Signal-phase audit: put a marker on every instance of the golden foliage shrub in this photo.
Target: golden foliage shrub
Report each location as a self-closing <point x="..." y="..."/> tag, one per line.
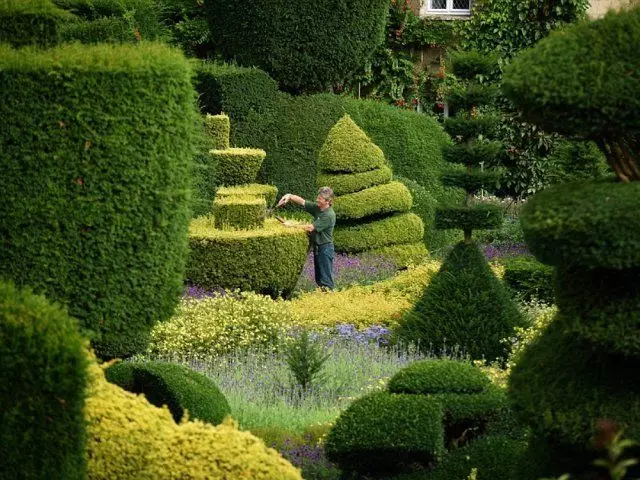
<point x="128" y="438"/>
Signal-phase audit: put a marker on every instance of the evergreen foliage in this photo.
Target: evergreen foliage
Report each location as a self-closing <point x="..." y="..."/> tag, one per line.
<point x="370" y="211"/>
<point x="464" y="305"/>
<point x="32" y="22"/>
<point x="580" y="82"/>
<point x="305" y="46"/>
<point x="412" y="432"/>
<point x="238" y="212"/>
<point x="94" y="188"/>
<point x="438" y="376"/>
<point x="237" y="166"/>
<point x="529" y="278"/>
<point x="42" y="383"/>
<point x="178" y="387"/>
<point x="268" y="192"/>
<point x="218" y="127"/>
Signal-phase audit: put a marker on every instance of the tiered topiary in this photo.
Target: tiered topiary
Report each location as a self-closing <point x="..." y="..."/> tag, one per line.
<point x="465" y="304"/>
<point x="214" y="135"/>
<point x="32" y="22"/>
<point x="584" y="366"/>
<point x="94" y="188"/>
<point x="180" y="388"/>
<point x="372" y="211"/>
<point x="429" y="406"/>
<point x="237" y="246"/>
<point x="42" y="389"/>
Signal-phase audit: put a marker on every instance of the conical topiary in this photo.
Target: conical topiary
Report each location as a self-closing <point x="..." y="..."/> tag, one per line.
<point x="372" y="211"/>
<point x="465" y="305"/>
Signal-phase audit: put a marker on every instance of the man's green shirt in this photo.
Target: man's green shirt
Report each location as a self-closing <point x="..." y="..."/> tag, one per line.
<point x="323" y="223"/>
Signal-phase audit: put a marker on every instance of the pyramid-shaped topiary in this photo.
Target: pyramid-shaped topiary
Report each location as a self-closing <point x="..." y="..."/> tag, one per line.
<point x="465" y="304"/>
<point x="372" y="211"/>
<point x="584" y="367"/>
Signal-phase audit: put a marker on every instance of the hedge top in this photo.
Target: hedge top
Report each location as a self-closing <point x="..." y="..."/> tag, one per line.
<point x="145" y="58"/>
<point x="439" y="376"/>
<point x="582" y="80"/>
<point x="201" y="228"/>
<point x="32" y="7"/>
<point x="348" y="149"/>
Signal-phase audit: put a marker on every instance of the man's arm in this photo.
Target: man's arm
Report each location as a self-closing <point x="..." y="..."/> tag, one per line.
<point x="289" y="197"/>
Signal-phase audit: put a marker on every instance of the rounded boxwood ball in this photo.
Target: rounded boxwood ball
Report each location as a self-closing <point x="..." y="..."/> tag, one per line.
<point x="439" y="376"/>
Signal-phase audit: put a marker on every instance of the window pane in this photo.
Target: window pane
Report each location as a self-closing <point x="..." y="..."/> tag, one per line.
<point x="461" y="4"/>
<point x="438" y="4"/>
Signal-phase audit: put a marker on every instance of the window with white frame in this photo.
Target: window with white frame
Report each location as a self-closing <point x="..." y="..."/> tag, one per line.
<point x="448" y="7"/>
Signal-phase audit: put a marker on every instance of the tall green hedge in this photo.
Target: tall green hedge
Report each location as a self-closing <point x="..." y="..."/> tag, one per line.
<point x="42" y="382"/>
<point x="94" y="182"/>
<point x="307" y="46"/>
<point x="32" y="22"/>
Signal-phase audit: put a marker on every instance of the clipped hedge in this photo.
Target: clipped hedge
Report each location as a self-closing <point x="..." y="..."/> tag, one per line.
<point x="238" y="166"/>
<point x="557" y="386"/>
<point x="473" y="154"/>
<point x="494" y="458"/>
<point x="239" y="212"/>
<point x="591" y="225"/>
<point x="481" y="216"/>
<point x="348" y="149"/>
<point x="32" y="22"/>
<point x="464" y="305"/>
<point x="103" y="231"/>
<point x="218" y="128"/>
<point x="397" y="229"/>
<point x="344" y="184"/>
<point x="235" y="91"/>
<point x="203" y="172"/>
<point x="179" y="388"/>
<point x="268" y="192"/>
<point x="268" y="260"/>
<point x="529" y="278"/>
<point x="42" y="383"/>
<point x="392" y="197"/>
<point x="307" y="46"/>
<point x="150" y="445"/>
<point x="473" y="180"/>
<point x="379" y="431"/>
<point x="438" y="376"/>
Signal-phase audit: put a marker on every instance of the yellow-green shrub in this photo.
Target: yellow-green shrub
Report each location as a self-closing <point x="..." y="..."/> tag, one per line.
<point x="379" y="304"/>
<point x="213" y="326"/>
<point x="343" y="184"/>
<point x="382" y="199"/>
<point x="266" y="260"/>
<point x="237" y="166"/>
<point x="404" y="254"/>
<point x="129" y="439"/>
<point x="269" y="192"/>
<point x="218" y="128"/>
<point x="239" y="212"/>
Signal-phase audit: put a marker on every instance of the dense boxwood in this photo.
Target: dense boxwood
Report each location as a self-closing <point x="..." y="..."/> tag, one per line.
<point x="590" y="225"/>
<point x="176" y="386"/>
<point x="103" y="231"/>
<point x="307" y="46"/>
<point x="344" y="184"/>
<point x="397" y="229"/>
<point x="467" y="64"/>
<point x="42" y="383"/>
<point x="557" y="386"/>
<point x="381" y="431"/>
<point x="235" y="91"/>
<point x="464" y="305"/>
<point x="494" y="458"/>
<point x="268" y="192"/>
<point x="203" y="169"/>
<point x="471" y="154"/>
<point x="114" y="21"/>
<point x="438" y="376"/>
<point x="388" y="198"/>
<point x="266" y="260"/>
<point x="481" y="216"/>
<point x="458" y="126"/>
<point x="347" y="149"/>
<point x="218" y="128"/>
<point x="32" y="22"/>
<point x="472" y="180"/>
<point x="402" y="255"/>
<point x="239" y="212"/>
<point x="237" y="166"/>
<point x="529" y="278"/>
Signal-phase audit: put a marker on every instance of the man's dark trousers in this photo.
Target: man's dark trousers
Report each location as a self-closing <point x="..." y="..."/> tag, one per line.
<point x="323" y="265"/>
